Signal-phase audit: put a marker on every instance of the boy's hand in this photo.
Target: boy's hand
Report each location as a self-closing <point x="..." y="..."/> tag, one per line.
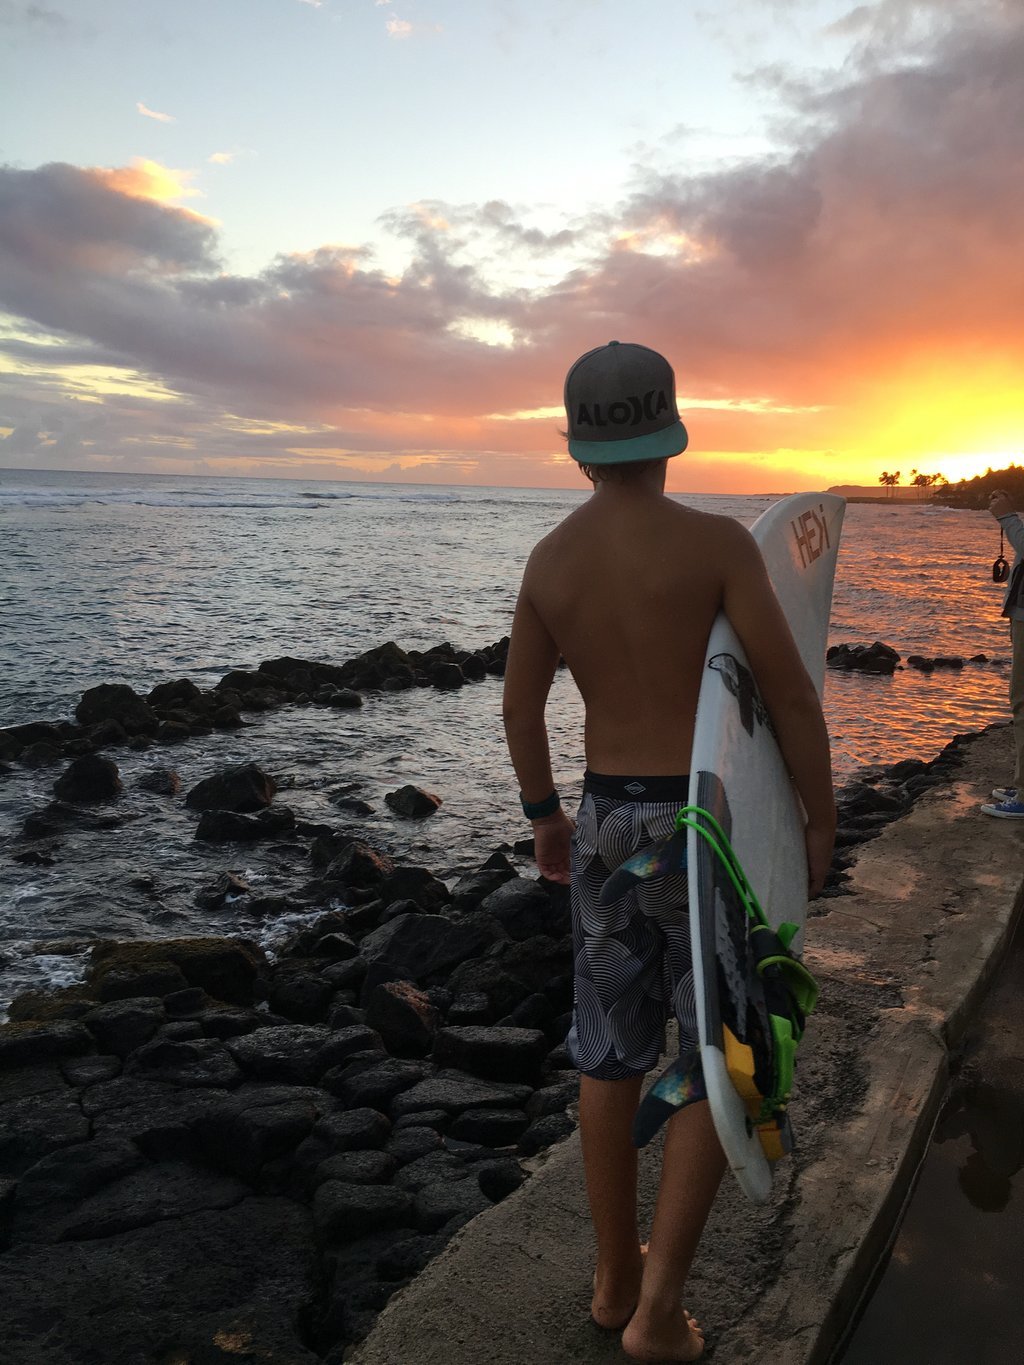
<point x="820" y="840"/>
<point x="999" y="503"/>
<point x="551" y="846"/>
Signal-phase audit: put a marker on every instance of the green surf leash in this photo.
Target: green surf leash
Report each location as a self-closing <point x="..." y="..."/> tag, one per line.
<point x="791" y="992"/>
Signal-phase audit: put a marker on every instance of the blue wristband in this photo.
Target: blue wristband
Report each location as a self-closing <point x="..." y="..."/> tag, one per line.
<point x="537" y="810"/>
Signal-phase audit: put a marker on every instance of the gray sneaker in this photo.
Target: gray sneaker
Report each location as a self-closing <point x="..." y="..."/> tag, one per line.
<point x="1004" y="793"/>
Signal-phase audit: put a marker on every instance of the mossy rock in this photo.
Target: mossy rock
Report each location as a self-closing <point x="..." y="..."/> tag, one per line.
<point x="226" y="968"/>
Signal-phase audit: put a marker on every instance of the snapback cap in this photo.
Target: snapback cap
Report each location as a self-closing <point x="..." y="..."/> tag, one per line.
<point x="620" y="401"/>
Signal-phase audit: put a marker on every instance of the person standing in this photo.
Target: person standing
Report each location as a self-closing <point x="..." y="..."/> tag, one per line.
<point x="625" y="590"/>
<point x="1008" y="802"/>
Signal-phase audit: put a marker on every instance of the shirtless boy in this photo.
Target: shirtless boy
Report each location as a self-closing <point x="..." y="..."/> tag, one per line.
<point x="625" y="589"/>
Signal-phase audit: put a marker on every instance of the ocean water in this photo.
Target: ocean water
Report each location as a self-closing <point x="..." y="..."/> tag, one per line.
<point x="143" y="579"/>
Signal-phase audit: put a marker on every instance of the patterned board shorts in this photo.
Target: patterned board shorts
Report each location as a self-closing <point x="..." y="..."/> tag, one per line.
<point x="632" y="963"/>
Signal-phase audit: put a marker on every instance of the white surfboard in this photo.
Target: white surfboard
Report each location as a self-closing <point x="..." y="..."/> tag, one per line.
<point x="738" y="775"/>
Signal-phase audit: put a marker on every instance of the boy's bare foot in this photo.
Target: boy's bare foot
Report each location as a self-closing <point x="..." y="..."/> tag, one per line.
<point x="614" y="1303"/>
<point x="672" y="1339"/>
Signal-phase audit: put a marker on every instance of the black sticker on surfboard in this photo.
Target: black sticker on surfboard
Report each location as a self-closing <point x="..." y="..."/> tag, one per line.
<point x="740" y="682"/>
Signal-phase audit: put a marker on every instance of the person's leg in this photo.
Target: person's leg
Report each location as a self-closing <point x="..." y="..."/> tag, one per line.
<point x="607" y="1109"/>
<point x="692" y="1169"/>
<point x="1017" y="701"/>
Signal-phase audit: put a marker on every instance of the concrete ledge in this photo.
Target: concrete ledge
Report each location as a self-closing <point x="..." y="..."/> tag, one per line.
<point x="902" y="961"/>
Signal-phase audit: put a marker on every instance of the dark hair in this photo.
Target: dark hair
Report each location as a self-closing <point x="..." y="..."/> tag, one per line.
<point x="618" y="473"/>
<point x="615" y="473"/>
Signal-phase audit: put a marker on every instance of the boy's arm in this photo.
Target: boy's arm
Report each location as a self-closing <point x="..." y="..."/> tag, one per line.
<point x="750" y="603"/>
<point x="532" y="660"/>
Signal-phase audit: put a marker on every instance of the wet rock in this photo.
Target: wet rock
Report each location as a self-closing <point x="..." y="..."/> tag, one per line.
<point x="61" y="1179"/>
<point x="16" y="738"/>
<point x="524" y="909"/>
<point x="375" y="1086"/>
<point x="25" y="1044"/>
<point x="342" y="698"/>
<point x="89" y="779"/>
<point x="921" y="663"/>
<point x="40" y="755"/>
<point x="63" y="1002"/>
<point x="124" y="1025"/>
<point x="357" y="1168"/>
<point x="470" y="1008"/>
<point x="417" y="884"/>
<point x="437" y="1119"/>
<point x="223" y="826"/>
<point x="116" y="701"/>
<point x="875" y="658"/>
<point x="228" y="1023"/>
<point x="404" y="1018"/>
<point x="174" y="732"/>
<point x="195" y="1063"/>
<point x="425" y="946"/>
<point x="36" y="1124"/>
<point x="533" y="1012"/>
<point x="226" y="718"/>
<point x="226" y="887"/>
<point x="498" y="1054"/>
<point x="355" y="1130"/>
<point x="161" y="781"/>
<point x="490" y="1127"/>
<point x="442" y="1203"/>
<point x="407" y="1258"/>
<point x="499" y="1178"/>
<point x="358" y="865"/>
<point x="170" y="694"/>
<point x="243" y="787"/>
<point x="434" y="1168"/>
<point x="190" y="1279"/>
<point x="472" y="887"/>
<point x="409" y="1144"/>
<point x="338" y="947"/>
<point x="107" y="734"/>
<point x="553" y="1099"/>
<point x="289" y="1053"/>
<point x="446" y="676"/>
<point x="300" y="993"/>
<point x="376" y="666"/>
<point x="412" y="802"/>
<point x="241" y="1136"/>
<point x="226" y="968"/>
<point x="83" y="1071"/>
<point x="39" y="855"/>
<point x="353" y="805"/>
<point x="544" y="1132"/>
<point x="343" y="1212"/>
<point x="454" y="1092"/>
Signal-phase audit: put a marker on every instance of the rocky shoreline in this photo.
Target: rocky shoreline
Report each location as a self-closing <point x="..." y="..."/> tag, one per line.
<point x="208" y="1154"/>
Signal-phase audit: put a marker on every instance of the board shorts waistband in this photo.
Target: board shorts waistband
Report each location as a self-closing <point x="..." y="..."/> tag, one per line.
<point x="626" y="788"/>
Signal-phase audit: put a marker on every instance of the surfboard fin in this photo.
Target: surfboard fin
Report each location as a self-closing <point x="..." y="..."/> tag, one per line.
<point x="657" y="861"/>
<point x="680" y="1084"/>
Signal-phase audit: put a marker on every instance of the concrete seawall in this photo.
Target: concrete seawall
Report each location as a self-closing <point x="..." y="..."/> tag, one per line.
<point x="903" y="961"/>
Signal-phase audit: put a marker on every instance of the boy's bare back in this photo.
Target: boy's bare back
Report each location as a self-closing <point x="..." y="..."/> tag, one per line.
<point x="627" y="587"/>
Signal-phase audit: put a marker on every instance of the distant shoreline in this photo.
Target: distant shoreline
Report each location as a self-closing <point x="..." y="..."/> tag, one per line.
<point x="898" y="502"/>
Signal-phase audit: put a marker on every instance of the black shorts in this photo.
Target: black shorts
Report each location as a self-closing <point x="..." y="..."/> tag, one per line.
<point x="632" y="963"/>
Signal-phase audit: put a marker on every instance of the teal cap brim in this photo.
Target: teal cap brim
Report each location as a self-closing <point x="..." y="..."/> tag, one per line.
<point x="656" y="445"/>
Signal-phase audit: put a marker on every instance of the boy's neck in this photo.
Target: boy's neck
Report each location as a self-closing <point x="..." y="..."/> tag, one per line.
<point x="648" y="484"/>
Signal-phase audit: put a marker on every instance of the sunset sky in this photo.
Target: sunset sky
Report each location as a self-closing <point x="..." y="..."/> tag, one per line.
<point x="366" y="238"/>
